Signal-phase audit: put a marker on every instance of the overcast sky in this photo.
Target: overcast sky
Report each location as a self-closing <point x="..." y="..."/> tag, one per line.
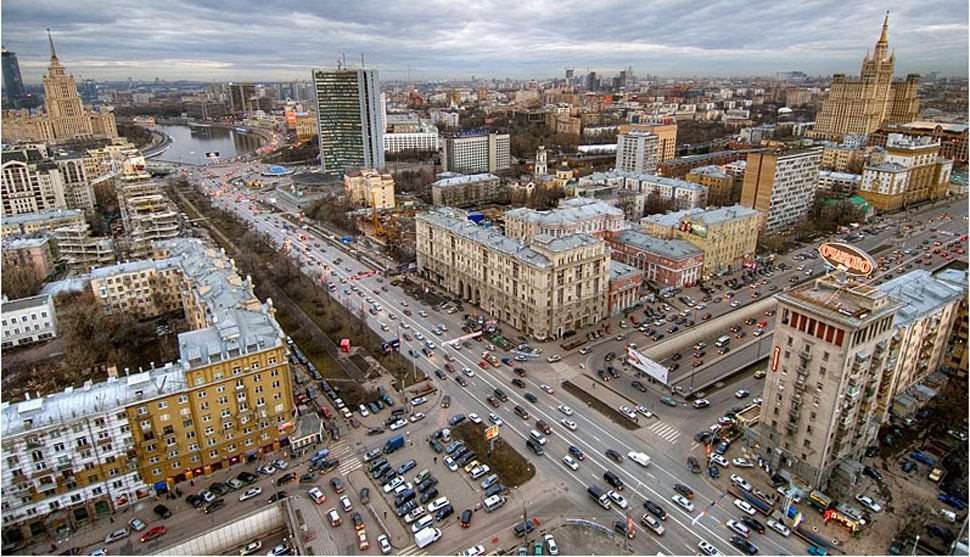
<point x="275" y="40"/>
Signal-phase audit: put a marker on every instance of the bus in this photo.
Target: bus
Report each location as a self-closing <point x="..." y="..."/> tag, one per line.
<point x="722" y="341"/>
<point x="573" y="343"/>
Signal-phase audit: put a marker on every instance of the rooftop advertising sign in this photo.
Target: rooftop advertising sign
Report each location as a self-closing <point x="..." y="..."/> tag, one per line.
<point x="848" y="259"/>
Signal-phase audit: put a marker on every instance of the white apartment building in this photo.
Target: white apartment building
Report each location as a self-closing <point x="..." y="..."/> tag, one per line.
<point x="636" y="151"/>
<point x="781" y="186"/>
<point x="477" y="153"/>
<point x="30" y="184"/>
<point x="417" y="141"/>
<point x="28" y="320"/>
<point x="466" y="191"/>
<point x="543" y="287"/>
<point x="838" y="184"/>
<point x="686" y="195"/>
<point x="574" y="215"/>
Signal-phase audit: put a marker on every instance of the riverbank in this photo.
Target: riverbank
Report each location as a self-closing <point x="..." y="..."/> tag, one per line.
<point x="160" y="142"/>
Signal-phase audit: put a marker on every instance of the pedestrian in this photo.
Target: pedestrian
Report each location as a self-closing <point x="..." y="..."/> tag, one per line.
<point x="385" y="514"/>
<point x="436" y="460"/>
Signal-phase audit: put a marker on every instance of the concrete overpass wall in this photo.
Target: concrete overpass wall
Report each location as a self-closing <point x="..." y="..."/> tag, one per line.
<point x="233" y="535"/>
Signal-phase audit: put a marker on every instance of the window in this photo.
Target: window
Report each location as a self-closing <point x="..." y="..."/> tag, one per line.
<point x="201" y="394"/>
<point x="821" y="371"/>
<point x="204" y="406"/>
<point x="163" y="405"/>
<point x="183" y="399"/>
<point x="225" y="412"/>
<point x="223" y="400"/>
<point x="209" y="431"/>
<point x="221" y="389"/>
<point x="207" y="418"/>
<point x="236" y="370"/>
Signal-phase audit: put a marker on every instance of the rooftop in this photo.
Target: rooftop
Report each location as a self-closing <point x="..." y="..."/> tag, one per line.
<point x="43" y="215"/>
<point x="23" y="243"/>
<point x="945" y="126"/>
<point x="622" y="270"/>
<point x="839" y="175"/>
<point x="710" y="170"/>
<point x="461" y="180"/>
<point x="570" y="210"/>
<point x="921" y="294"/>
<point x="671" y="249"/>
<point x="26" y="303"/>
<point x="852" y="304"/>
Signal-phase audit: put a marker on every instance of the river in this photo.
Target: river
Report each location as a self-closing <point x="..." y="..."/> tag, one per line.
<point x="190" y="144"/>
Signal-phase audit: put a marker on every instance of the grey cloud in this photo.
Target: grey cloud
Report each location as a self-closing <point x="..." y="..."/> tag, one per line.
<point x="283" y="39"/>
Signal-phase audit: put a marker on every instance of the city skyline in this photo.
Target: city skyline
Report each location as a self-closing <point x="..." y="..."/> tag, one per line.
<point x="457" y="41"/>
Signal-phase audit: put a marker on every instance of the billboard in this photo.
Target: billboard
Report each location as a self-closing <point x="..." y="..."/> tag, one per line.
<point x="695" y="228"/>
<point x="491" y="433"/>
<point x="646" y="365"/>
<point x="848" y="259"/>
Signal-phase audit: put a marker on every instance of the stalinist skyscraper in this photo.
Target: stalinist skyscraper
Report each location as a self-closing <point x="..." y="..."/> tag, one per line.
<point x="65" y="117"/>
<point x="859" y="107"/>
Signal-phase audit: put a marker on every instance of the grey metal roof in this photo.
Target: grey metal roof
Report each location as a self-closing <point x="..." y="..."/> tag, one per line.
<point x="570" y="210"/>
<point x="42" y="216"/>
<point x="921" y="294"/>
<point x="461" y="180"/>
<point x="671" y="249"/>
<point x="25" y="303"/>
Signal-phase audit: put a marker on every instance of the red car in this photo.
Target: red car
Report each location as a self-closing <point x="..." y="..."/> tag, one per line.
<point x="483" y="364"/>
<point x="153" y="533"/>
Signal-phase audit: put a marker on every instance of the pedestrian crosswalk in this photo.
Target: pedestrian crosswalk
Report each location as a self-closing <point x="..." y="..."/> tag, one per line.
<point x="665" y="432"/>
<point x="348" y="461"/>
<point x="564" y="370"/>
<point x="412" y="550"/>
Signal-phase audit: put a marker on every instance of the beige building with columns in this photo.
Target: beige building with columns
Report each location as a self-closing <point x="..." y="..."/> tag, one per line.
<point x="370" y="188"/>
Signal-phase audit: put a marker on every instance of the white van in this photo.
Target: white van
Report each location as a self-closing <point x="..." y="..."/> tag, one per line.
<point x="722" y="341"/>
<point x="493" y="502"/>
<point x="538" y="437"/>
<point x="640" y="458"/>
<point x="426" y="537"/>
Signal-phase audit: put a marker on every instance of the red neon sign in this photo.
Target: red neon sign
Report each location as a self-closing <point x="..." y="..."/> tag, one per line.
<point x="776" y="353"/>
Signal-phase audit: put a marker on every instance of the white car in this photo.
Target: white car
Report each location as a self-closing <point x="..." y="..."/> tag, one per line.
<point x="473" y="418"/>
<point x="742" y="463"/>
<point x="280" y="464"/>
<point x="418" y="335"/>
<point x="363" y="411"/>
<point x="707" y="549"/>
<point x="468" y="371"/>
<point x="643" y="410"/>
<point x="451" y="464"/>
<point x="546" y="388"/>
<point x="384" y="544"/>
<point x="423" y="313"/>
<point x="551" y="544"/>
<point x="438" y="503"/>
<point x="779" y="527"/>
<point x="554" y="358"/>
<point x="683" y="502"/>
<point x="345" y="504"/>
<point x="570" y="462"/>
<point x="417" y="416"/>
<point x="701" y="403"/>
<point x="266" y="469"/>
<point x="493" y="417"/>
<point x="629" y="413"/>
<point x="869" y="502"/>
<point x="473" y="551"/>
<point x="398" y="424"/>
<point x="618" y="499"/>
<point x="418" y="401"/>
<point x="744" y="506"/>
<point x="415" y="514"/>
<point x="480" y="471"/>
<point x="116" y="535"/>
<point x="738" y="527"/>
<point x="735" y="303"/>
<point x="250" y="493"/>
<point x="740" y="482"/>
<point x="571" y="425"/>
<point x="393" y="484"/>
<point x="565" y="410"/>
<point x="720" y="460"/>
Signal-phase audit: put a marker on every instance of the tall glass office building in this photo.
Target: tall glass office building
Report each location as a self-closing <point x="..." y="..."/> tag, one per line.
<point x="349" y="118"/>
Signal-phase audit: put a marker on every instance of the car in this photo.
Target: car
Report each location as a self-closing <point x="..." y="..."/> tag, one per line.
<point x="669" y="401"/>
<point x="656" y="509"/>
<point x="461" y="381"/>
<point x="466" y="518"/>
<point x="741" y="393"/>
<point x="530" y="397"/>
<point x="742" y="463"/>
<point x="683" y="502"/>
<point x="576" y="452"/>
<point x="518" y="383"/>
<point x="872" y="473"/>
<point x="437" y="504"/>
<point x="618" y="499"/>
<point x="116" y="535"/>
<point x="551" y="544"/>
<point x="546" y="388"/>
<point x="357" y="520"/>
<point x="398" y="424"/>
<point x="137" y="524"/>
<point x="250" y="493"/>
<point x="639" y="386"/>
<point x="740" y="482"/>
<point x="565" y="410"/>
<point x="155" y="532"/>
<point x="450" y="463"/>
<point x="754" y="524"/>
<point x="738" y="527"/>
<point x="962" y="436"/>
<point x="744" y="506"/>
<point x="701" y="403"/>
<point x="779" y="527"/>
<point x="744" y="545"/>
<point x="707" y="549"/>
<point x="869" y="503"/>
<point x="214" y="506"/>
<point x="644" y="411"/>
<point x="384" y="544"/>
<point x="570" y="462"/>
<point x="267" y="469"/>
<point x="278" y="496"/>
<point x="615" y="456"/>
<point x="521" y="412"/>
<point x="251" y="548"/>
<point x="469" y="466"/>
<point x="418" y="401"/>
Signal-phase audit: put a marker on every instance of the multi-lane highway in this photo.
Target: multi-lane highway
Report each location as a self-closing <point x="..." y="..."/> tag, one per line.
<point x="594" y="434"/>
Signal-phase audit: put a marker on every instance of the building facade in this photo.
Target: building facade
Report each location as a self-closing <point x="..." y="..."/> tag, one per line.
<point x="30" y="182"/>
<point x="667" y="263"/>
<point x="36" y="254"/>
<point x="370" y="188"/>
<point x="473" y="154"/>
<point x="13" y="82"/>
<point x="28" y="320"/>
<point x="467" y="191"/>
<point x="680" y="167"/>
<point x="820" y="410"/>
<point x="636" y="151"/>
<point x="907" y="171"/>
<point x="841" y="158"/>
<point x="625" y="282"/>
<point x="952" y="137"/>
<point x="350" y="119"/>
<point x="719" y="184"/>
<point x="666" y="133"/>
<point x="781" y="186"/>
<point x="29" y="224"/>
<point x="148" y="215"/>
<point x="543" y="288"/>
<point x="416" y="141"/>
<point x="956" y="357"/>
<point x="728" y="236"/>
<point x="574" y="215"/>
<point x="860" y="107"/>
<point x="838" y="185"/>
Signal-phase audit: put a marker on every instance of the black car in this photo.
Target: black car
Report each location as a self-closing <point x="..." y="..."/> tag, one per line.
<point x="695" y="467"/>
<point x="215" y="505"/>
<point x="530" y="397"/>
<point x="365" y="495"/>
<point x="404" y="497"/>
<point x="872" y="451"/>
<point x="639" y="386"/>
<point x="518" y="383"/>
<point x="456" y="419"/>
<point x="466" y="458"/>
<point x="278" y="496"/>
<point x="219" y="488"/>
<point x="405" y="466"/>
<point x="466" y="518"/>
<point x="246" y="477"/>
<point x="744" y="545"/>
<point x="754" y="524"/>
<point x="576" y="452"/>
<point x="613" y="480"/>
<point x="375" y="431"/>
<point x="614" y="455"/>
<point x="429" y="495"/>
<point x="872" y="473"/>
<point x="162" y="511"/>
<point x="675" y="357"/>
<point x="684" y="490"/>
<point x="523" y="528"/>
<point x="495" y="490"/>
<point x="444" y="512"/>
<point x="702" y="436"/>
<point x="655" y="509"/>
<point x="521" y="412"/>
<point x="713" y="472"/>
<point x="195" y="500"/>
<point x="286" y="479"/>
<point x="407" y="507"/>
<point x="604" y="376"/>
<point x="427" y="484"/>
<point x="380" y="462"/>
<point x="440" y="374"/>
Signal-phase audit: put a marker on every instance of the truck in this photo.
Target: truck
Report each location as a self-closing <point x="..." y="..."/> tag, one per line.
<point x="599" y="496"/>
<point x="393" y="444"/>
<point x="426" y="537"/>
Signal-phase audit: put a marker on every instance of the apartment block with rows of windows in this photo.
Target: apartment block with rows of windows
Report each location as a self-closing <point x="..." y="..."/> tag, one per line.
<point x="820" y="396"/>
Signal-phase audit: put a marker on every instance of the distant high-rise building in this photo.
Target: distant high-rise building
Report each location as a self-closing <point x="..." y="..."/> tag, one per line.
<point x="242" y="98"/>
<point x="860" y="107"/>
<point x="781" y="186"/>
<point x="636" y="151"/>
<point x="88" y="89"/>
<point x="350" y="120"/>
<point x="666" y="132"/>
<point x="487" y="152"/>
<point x="13" y="84"/>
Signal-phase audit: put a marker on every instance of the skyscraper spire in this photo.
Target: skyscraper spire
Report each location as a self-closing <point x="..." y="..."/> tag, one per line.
<point x="885" y="29"/>
<point x="883" y="45"/>
<point x="50" y="40"/>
